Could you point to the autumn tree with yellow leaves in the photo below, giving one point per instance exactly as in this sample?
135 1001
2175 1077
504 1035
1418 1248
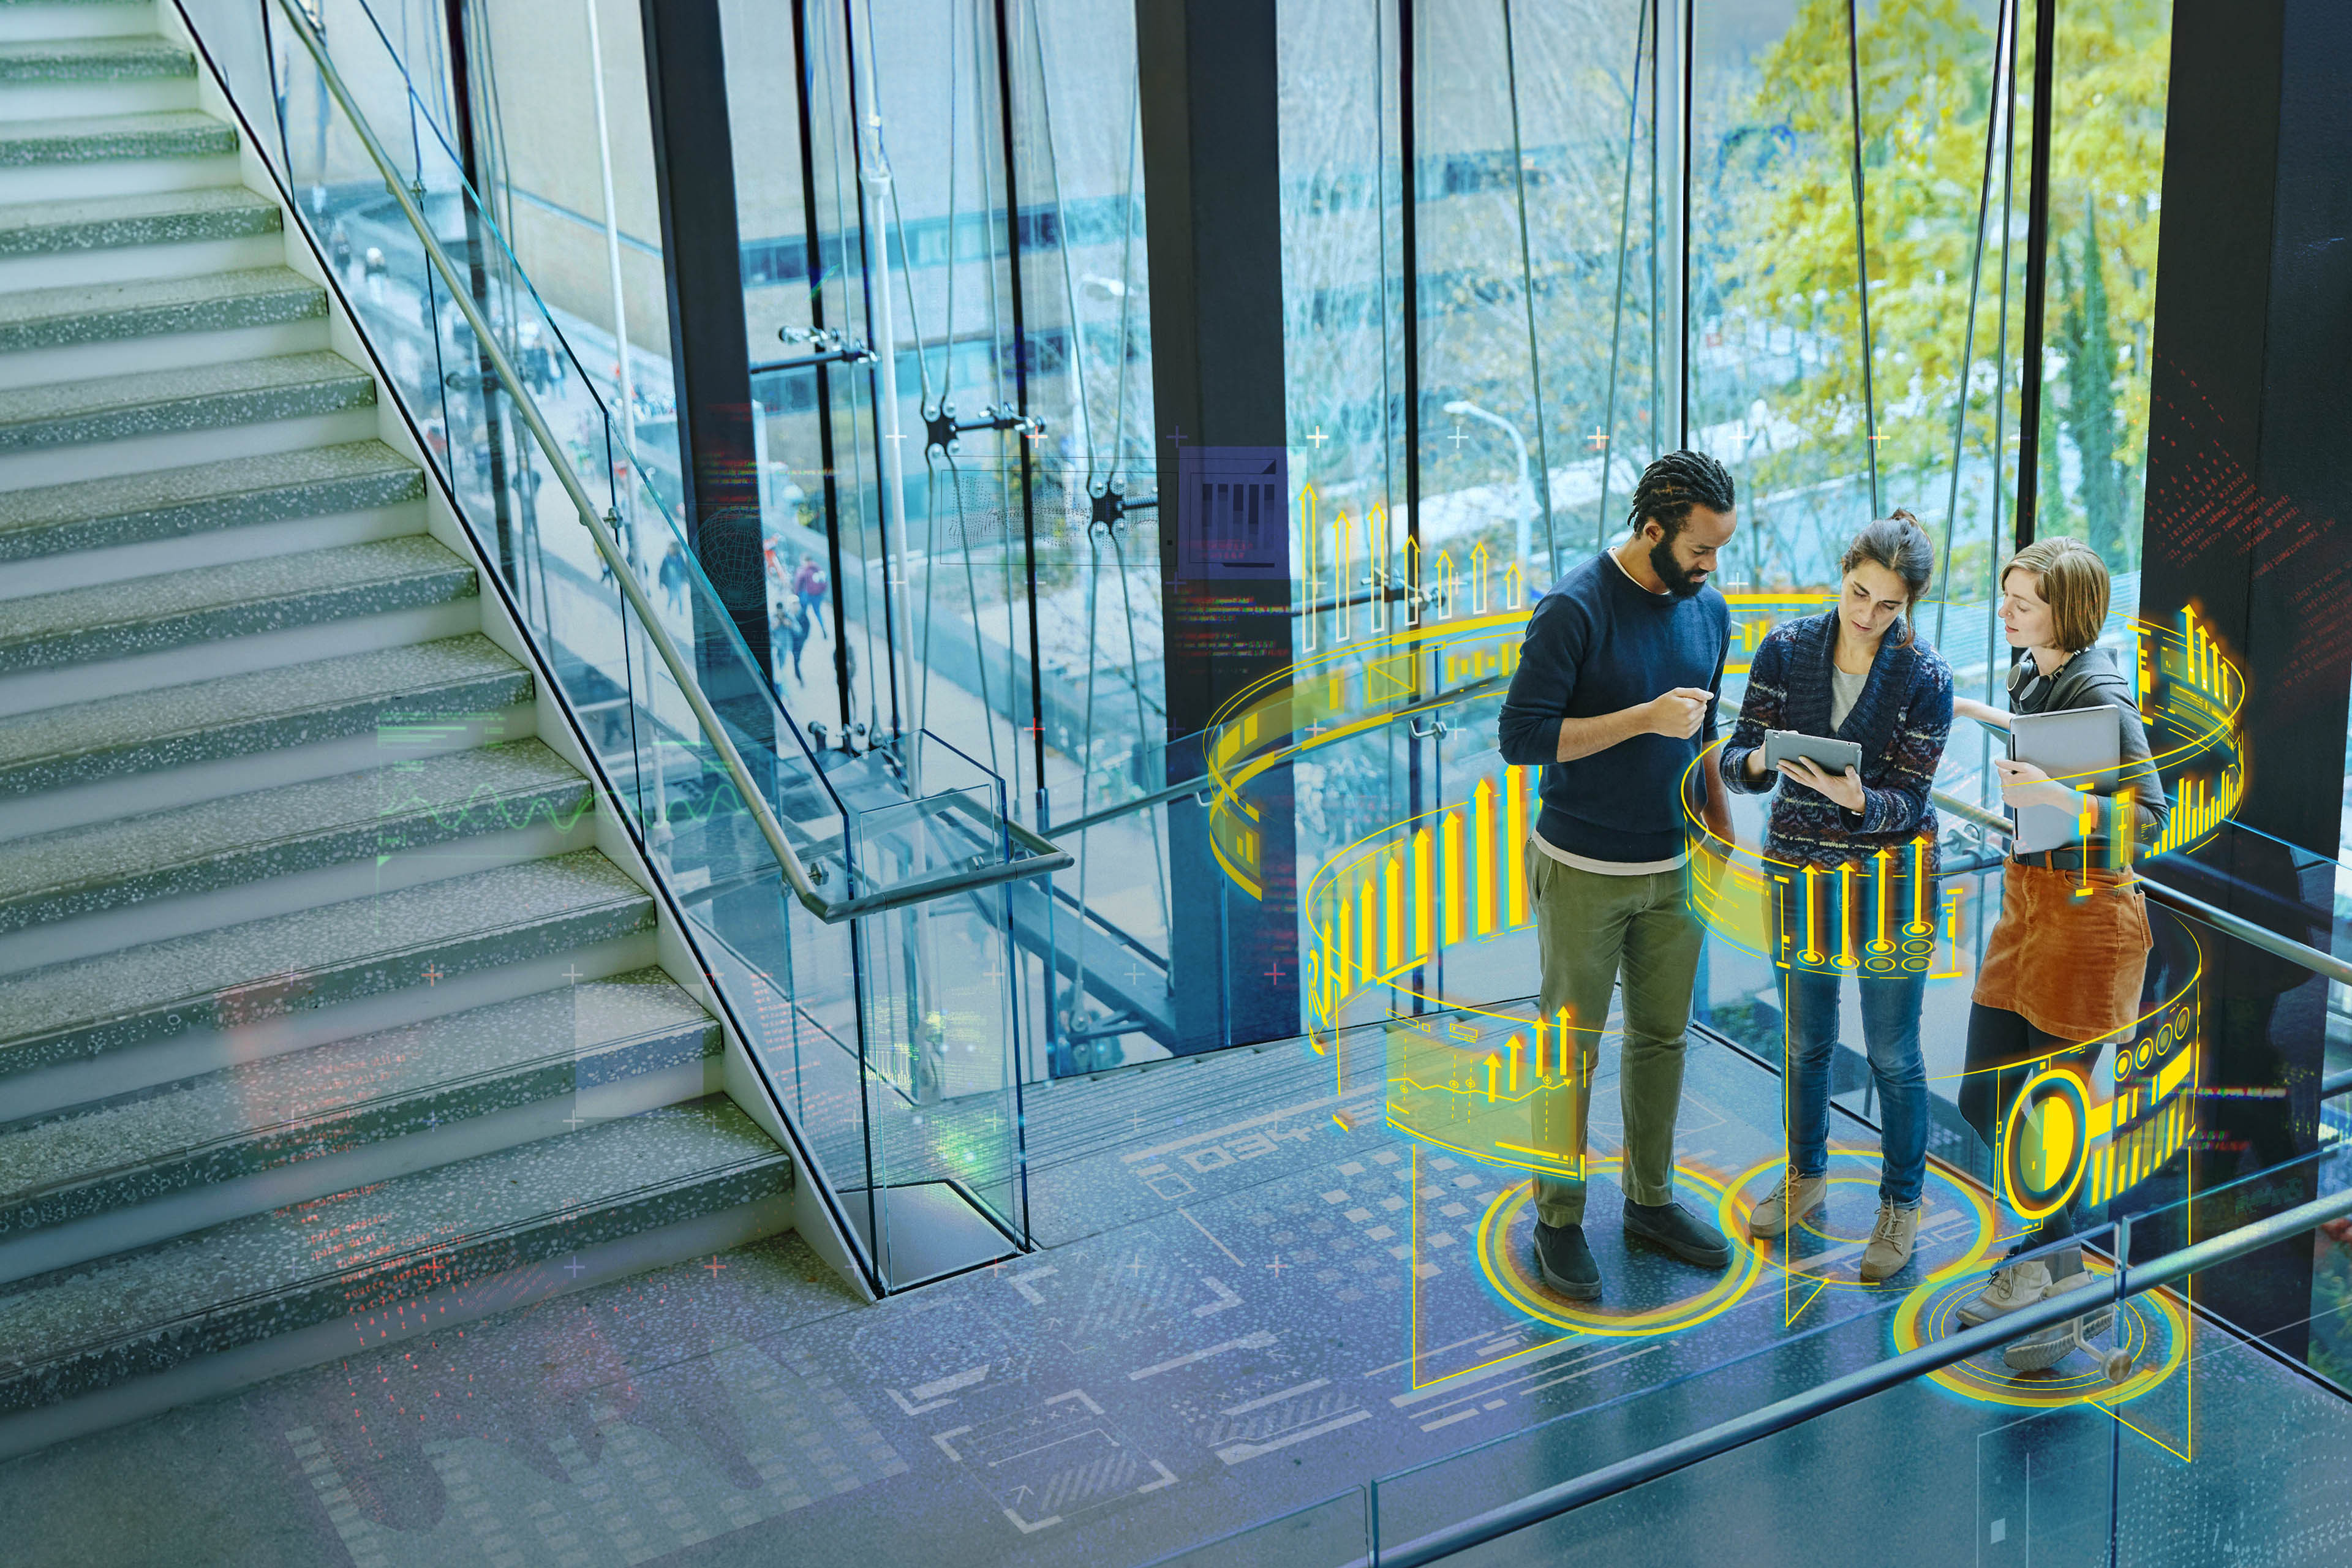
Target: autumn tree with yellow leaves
1774 255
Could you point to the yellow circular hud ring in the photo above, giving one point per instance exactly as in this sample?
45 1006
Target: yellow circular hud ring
1507 1273
2075 1104
1737 1208
1931 1312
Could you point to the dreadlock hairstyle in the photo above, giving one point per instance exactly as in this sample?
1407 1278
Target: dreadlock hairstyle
1671 485
1900 544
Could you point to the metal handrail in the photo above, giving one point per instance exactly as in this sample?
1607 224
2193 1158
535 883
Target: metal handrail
1208 785
1200 785
1975 817
1781 1415
796 873
2247 931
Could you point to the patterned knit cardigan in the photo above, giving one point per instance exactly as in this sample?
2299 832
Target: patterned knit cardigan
1901 718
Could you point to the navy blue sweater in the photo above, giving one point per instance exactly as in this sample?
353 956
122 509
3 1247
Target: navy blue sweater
1598 643
1902 719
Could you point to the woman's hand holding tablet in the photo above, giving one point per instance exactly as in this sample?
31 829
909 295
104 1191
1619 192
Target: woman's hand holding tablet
1845 790
1820 763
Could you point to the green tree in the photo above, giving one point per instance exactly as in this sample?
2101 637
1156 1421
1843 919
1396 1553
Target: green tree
2090 412
1784 263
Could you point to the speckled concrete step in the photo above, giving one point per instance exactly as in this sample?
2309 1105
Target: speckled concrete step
366 1252
81 314
197 397
108 223
239 715
95 137
92 59
134 509
75 18
242 976
117 620
333 1097
278 832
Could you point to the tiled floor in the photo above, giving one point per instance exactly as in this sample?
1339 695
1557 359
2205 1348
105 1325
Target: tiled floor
1238 1315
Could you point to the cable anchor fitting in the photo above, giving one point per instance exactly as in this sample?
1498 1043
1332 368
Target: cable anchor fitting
829 346
940 425
1111 505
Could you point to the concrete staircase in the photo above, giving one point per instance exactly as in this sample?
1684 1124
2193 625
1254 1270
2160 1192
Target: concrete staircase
321 1015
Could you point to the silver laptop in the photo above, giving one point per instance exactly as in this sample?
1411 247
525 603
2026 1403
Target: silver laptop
2082 747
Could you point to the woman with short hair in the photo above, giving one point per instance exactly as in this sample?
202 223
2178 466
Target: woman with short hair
2063 969
1859 673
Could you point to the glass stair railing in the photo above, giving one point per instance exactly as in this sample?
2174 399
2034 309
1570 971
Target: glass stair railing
853 915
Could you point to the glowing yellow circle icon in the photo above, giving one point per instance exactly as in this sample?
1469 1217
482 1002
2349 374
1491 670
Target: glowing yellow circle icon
2043 1145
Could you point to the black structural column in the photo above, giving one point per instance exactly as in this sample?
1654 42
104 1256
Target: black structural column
2249 520
1214 233
694 170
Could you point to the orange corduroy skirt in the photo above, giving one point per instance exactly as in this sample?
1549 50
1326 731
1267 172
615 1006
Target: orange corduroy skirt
2070 963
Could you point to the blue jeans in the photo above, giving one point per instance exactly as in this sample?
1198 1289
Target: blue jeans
1890 1029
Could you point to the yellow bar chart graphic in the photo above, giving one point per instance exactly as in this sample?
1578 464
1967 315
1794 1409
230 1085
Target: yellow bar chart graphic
1396 900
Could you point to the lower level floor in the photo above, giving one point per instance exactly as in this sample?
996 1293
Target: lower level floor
1256 1300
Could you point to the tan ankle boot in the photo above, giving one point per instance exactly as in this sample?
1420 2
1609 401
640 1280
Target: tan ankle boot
1891 1240
2013 1285
1791 1198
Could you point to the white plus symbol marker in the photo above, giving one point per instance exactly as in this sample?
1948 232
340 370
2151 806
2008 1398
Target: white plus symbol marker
1318 438
1460 435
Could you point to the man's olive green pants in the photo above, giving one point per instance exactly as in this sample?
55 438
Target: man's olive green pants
1591 929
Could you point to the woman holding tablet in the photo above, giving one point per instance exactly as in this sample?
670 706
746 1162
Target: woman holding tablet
2062 972
1858 674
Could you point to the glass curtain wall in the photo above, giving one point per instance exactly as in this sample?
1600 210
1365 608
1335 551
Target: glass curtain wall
1791 235
1526 249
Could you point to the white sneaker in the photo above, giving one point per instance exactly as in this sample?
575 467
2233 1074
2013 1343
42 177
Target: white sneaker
1891 1240
1793 1197
2013 1285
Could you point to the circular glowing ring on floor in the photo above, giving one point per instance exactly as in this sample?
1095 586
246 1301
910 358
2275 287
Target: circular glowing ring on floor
1736 1208
1931 1312
1507 1273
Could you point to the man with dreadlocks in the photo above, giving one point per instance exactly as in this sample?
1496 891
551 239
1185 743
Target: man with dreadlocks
1614 697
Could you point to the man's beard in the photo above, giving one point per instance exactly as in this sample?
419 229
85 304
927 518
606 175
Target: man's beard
1679 580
